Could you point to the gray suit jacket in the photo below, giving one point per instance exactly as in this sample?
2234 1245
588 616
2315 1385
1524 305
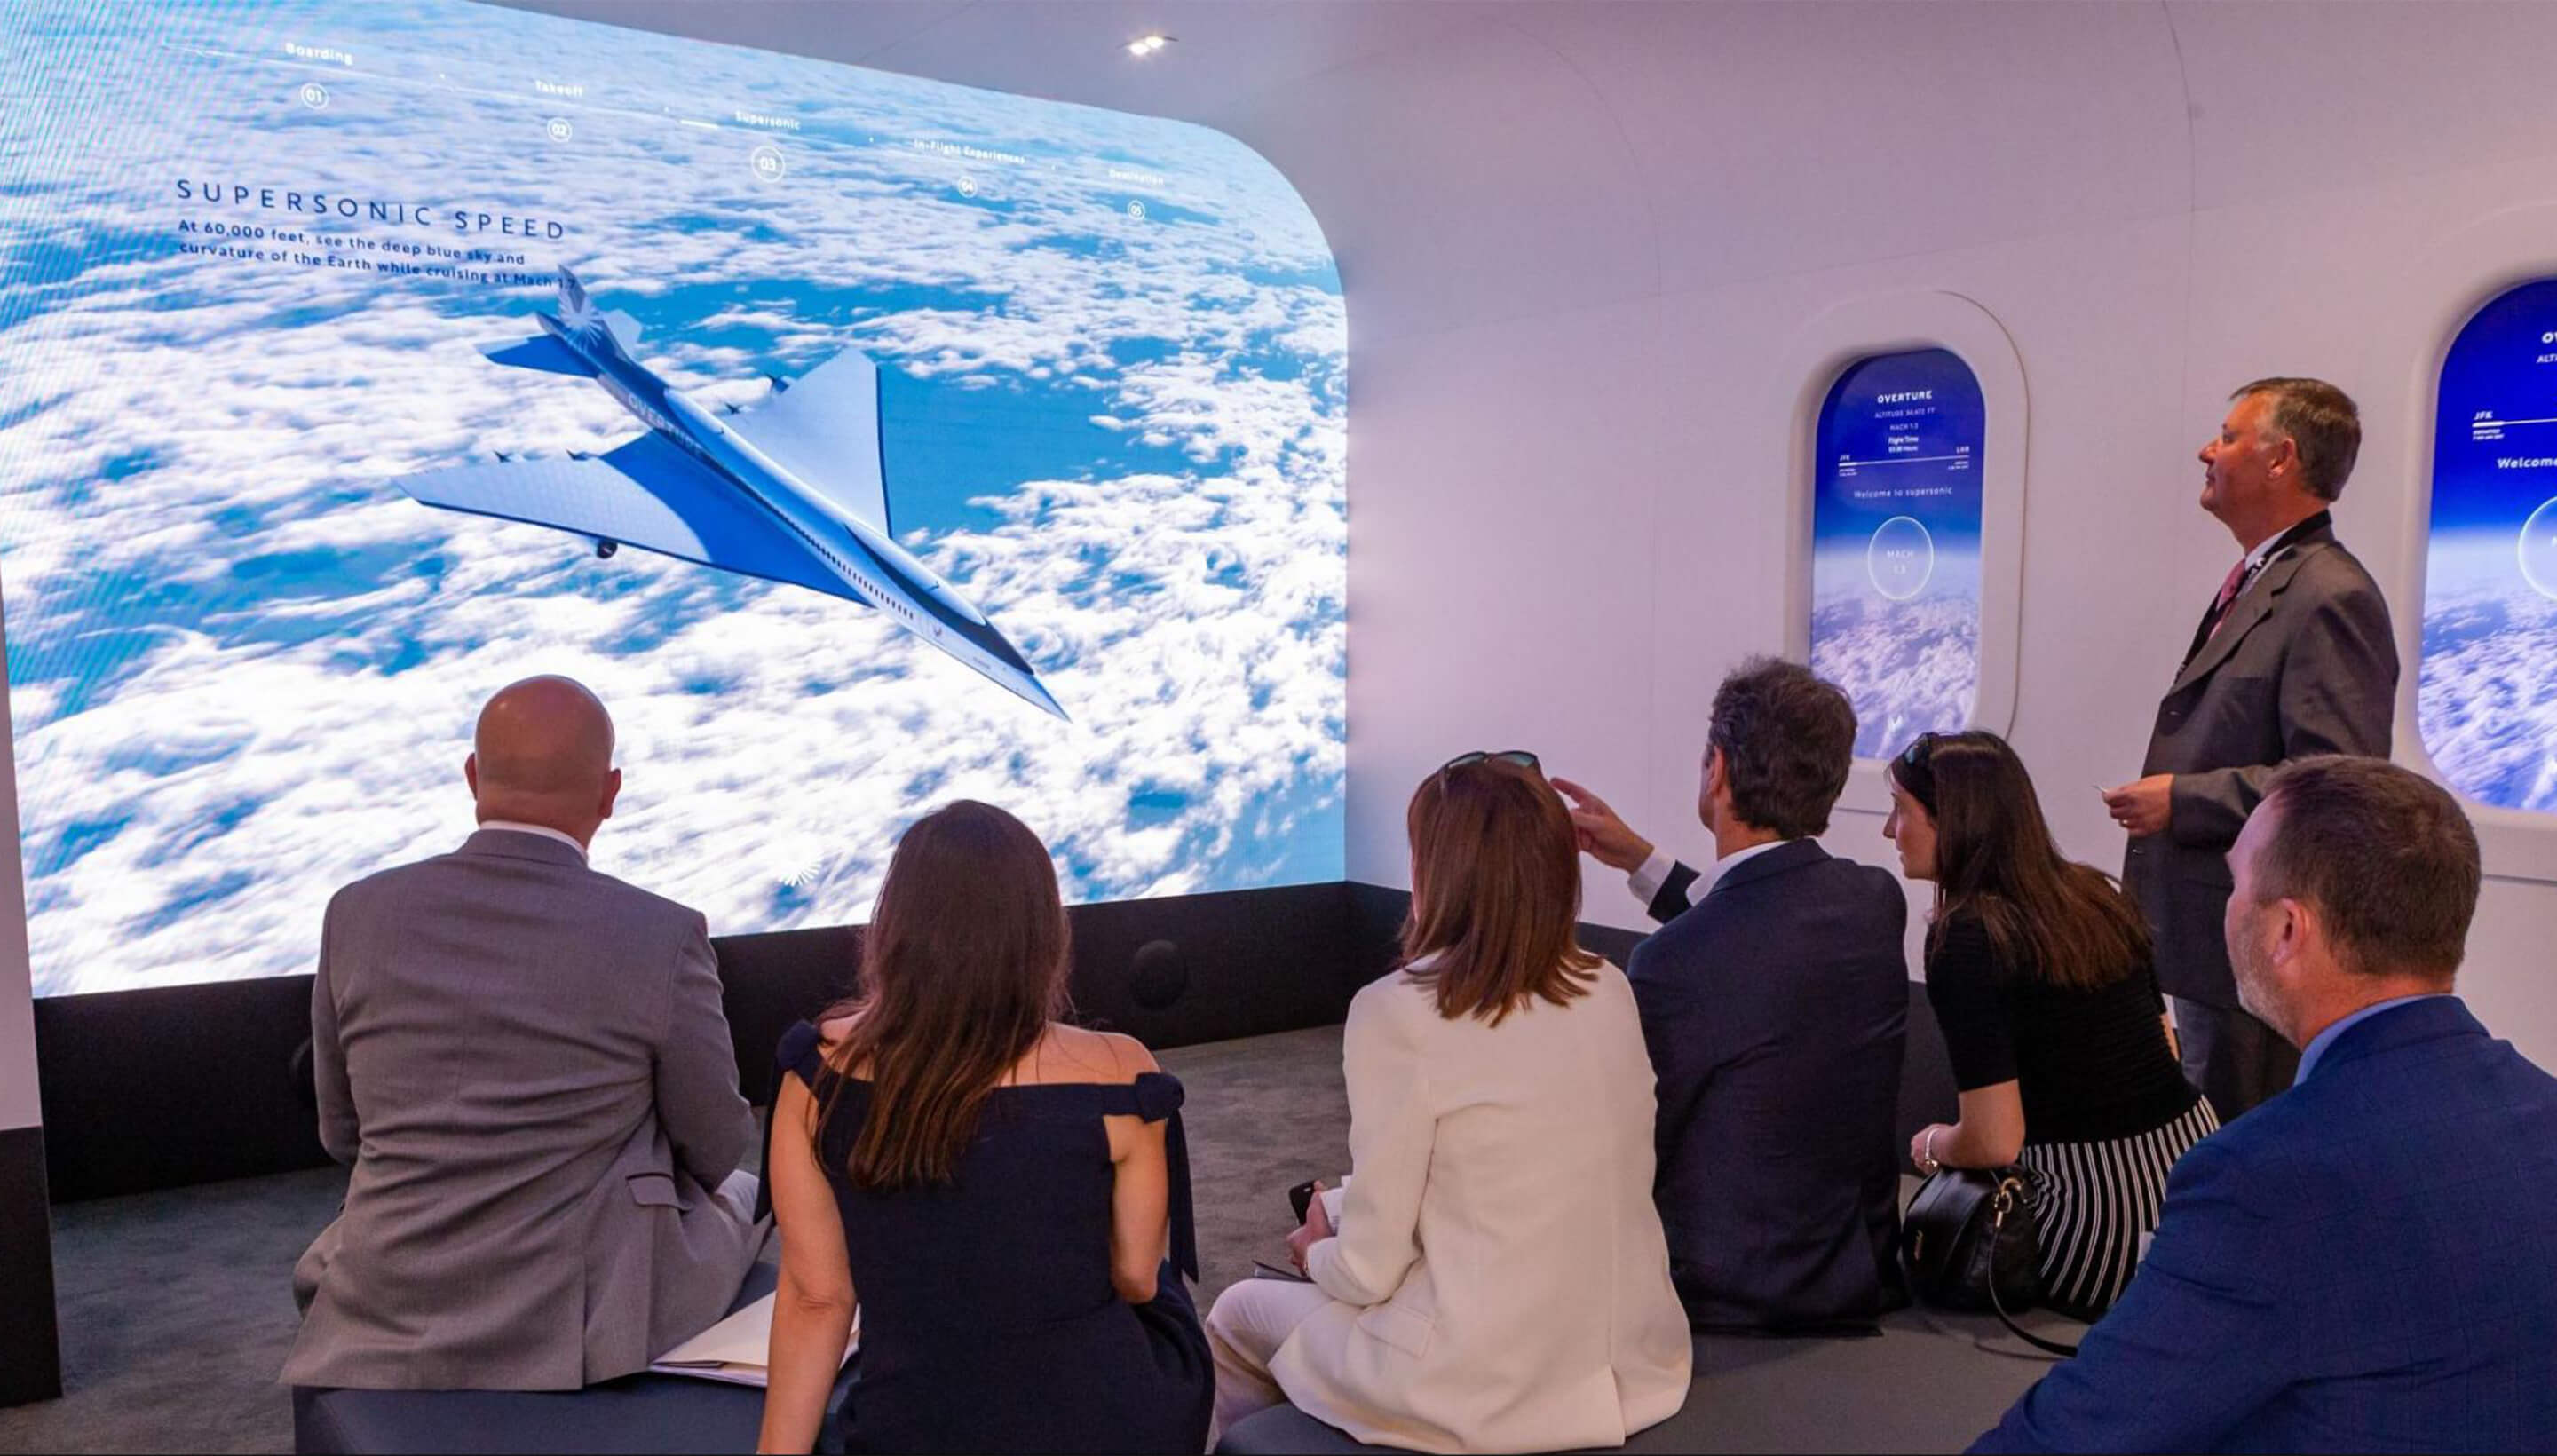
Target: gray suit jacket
2303 664
527 1064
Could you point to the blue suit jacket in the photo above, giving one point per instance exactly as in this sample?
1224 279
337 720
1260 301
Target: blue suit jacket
1776 1011
2366 1263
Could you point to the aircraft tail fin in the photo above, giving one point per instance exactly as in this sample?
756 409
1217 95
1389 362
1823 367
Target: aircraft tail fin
593 326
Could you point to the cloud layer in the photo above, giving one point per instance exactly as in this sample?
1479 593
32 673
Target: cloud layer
2486 692
1909 667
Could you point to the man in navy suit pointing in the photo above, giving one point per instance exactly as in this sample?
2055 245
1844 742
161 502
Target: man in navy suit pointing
1775 1004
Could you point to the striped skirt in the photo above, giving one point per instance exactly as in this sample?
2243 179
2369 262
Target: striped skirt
2094 1202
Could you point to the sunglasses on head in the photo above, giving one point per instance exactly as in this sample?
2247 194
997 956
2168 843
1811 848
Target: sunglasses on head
1520 756
1914 770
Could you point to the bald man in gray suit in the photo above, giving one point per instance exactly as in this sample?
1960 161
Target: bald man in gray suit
527 1065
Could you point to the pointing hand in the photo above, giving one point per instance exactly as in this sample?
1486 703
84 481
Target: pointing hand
1602 836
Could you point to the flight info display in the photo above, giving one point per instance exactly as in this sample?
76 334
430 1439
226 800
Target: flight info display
864 441
1896 545
2486 697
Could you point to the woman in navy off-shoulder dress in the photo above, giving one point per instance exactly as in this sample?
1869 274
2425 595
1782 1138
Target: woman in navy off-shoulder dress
1007 1198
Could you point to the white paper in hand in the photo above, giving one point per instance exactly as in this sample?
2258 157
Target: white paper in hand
737 1349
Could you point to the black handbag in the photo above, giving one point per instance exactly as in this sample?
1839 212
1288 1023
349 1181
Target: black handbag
1970 1242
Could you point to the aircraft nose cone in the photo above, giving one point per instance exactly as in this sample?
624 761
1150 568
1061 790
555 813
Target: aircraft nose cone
1039 695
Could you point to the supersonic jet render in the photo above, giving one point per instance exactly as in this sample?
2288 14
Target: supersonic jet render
795 495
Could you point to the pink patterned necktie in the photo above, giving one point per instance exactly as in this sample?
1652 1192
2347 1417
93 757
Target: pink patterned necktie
2228 594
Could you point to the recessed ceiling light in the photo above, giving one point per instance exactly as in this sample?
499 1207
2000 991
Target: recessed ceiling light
1144 46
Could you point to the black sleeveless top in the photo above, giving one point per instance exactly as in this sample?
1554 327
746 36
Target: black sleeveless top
989 1322
2089 1065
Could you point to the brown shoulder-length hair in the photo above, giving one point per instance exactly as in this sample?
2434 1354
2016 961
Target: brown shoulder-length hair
1495 892
2070 923
963 967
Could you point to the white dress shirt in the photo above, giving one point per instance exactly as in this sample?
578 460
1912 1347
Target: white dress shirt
1652 873
2260 558
544 830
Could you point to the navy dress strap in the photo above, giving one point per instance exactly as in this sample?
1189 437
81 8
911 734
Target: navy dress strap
802 1051
1156 1097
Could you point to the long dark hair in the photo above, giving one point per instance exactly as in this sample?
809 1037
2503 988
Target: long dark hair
1495 891
1995 858
963 967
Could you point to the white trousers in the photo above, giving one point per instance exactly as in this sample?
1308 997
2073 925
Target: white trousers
1251 1320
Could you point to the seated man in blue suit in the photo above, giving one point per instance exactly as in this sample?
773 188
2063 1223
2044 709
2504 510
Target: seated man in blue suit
2369 1261
1775 1009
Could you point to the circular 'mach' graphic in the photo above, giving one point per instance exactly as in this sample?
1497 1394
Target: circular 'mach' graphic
1900 557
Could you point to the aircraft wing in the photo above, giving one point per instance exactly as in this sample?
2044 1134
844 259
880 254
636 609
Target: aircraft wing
540 352
824 429
647 493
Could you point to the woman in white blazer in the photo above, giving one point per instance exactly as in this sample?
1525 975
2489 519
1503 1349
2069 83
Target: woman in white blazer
1499 1281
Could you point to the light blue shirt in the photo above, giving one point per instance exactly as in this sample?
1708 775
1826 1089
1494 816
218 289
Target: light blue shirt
2319 1043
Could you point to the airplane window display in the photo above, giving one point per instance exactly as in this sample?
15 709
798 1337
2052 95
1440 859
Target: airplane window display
2487 684
1896 507
877 442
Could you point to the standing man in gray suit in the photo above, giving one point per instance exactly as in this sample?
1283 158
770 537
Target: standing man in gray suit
527 1064
2294 658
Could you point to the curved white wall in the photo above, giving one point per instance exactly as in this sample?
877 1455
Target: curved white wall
1576 238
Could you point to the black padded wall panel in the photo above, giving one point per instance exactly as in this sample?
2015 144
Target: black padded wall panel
181 1084
1247 962
211 1071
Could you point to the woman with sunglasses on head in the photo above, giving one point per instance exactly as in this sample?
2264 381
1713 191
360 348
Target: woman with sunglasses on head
1499 1281
2039 972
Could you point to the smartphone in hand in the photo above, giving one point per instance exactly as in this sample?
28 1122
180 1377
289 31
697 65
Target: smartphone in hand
1301 1198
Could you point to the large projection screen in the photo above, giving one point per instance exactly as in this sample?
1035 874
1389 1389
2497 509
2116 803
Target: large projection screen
864 441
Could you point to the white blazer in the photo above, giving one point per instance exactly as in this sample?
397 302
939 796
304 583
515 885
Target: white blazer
1500 1281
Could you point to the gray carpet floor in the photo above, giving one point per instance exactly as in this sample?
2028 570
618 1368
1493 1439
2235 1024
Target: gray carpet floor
177 1307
